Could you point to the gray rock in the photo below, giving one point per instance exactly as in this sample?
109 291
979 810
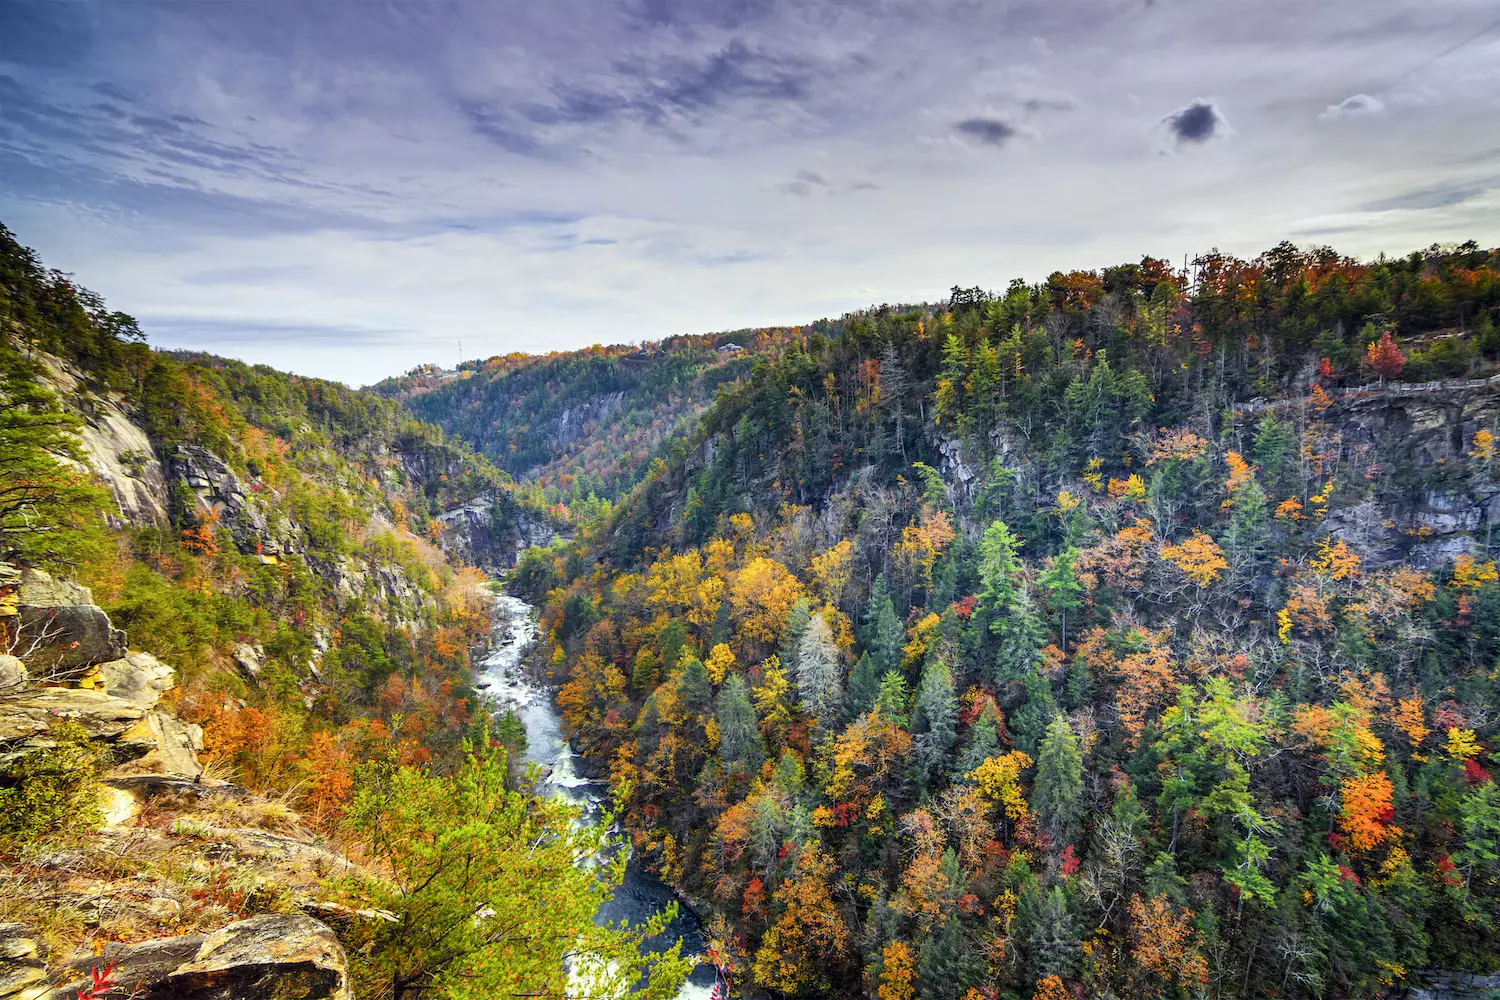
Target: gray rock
13 674
250 659
62 630
269 957
116 725
22 971
137 677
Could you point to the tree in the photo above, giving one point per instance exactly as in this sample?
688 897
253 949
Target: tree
1057 791
884 633
1060 582
739 740
1049 934
947 966
864 686
934 718
891 702
818 686
50 513
1384 358
810 937
998 571
1199 557
487 893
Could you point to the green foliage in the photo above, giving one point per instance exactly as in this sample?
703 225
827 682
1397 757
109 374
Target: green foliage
487 891
52 788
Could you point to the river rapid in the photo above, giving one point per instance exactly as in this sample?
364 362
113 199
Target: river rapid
502 679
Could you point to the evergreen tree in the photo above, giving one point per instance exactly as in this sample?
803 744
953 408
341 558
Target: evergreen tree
934 718
864 686
892 700
1049 935
999 570
1057 790
694 688
739 738
797 617
884 634
983 743
1029 723
1063 590
947 965
1020 634
818 686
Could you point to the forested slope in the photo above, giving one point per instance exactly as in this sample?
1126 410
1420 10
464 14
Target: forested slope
1133 633
581 423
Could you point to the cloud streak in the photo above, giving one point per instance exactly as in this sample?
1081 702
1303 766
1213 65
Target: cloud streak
279 180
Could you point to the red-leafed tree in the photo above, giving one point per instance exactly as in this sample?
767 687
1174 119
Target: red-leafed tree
1384 358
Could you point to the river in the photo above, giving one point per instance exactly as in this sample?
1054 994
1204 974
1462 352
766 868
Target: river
641 895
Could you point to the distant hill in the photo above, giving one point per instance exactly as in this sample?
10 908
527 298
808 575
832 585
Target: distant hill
582 422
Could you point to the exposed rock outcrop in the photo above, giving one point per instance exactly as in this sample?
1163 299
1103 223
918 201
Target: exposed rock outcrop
61 629
475 534
270 957
115 448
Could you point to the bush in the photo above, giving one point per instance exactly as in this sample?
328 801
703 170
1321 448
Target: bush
53 790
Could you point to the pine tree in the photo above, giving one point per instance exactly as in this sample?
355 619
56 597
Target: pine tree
693 687
947 966
1029 723
934 718
892 700
1049 935
1057 791
1062 587
739 739
999 570
797 617
983 743
864 686
886 636
1020 635
818 685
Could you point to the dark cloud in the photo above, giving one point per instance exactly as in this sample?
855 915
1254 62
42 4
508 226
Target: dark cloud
990 131
46 34
1058 102
1197 123
1429 197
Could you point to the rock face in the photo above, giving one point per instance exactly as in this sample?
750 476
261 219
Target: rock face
121 720
117 450
476 536
216 486
62 630
13 675
269 957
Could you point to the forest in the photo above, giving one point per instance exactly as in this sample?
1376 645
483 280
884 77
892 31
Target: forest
1132 633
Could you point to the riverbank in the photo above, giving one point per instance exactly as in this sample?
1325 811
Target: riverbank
502 678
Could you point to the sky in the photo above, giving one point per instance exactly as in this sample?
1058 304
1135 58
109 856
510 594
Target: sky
349 189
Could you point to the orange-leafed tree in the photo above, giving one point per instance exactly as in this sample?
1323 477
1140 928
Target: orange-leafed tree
1199 557
810 937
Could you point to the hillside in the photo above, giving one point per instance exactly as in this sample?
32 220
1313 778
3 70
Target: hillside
582 422
238 627
1131 633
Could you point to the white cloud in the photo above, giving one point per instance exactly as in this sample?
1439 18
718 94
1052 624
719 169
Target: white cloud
1355 106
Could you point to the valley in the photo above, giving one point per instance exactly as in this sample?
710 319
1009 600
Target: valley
1129 633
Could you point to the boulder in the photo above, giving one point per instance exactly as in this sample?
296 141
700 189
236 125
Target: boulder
269 957
137 677
13 674
250 659
117 726
172 751
62 630
22 971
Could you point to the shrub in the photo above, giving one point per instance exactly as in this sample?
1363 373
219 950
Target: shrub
53 790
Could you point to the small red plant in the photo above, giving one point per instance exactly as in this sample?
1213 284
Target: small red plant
101 982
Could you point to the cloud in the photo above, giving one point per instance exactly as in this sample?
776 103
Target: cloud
1355 106
989 131
1051 102
1196 124
1437 196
